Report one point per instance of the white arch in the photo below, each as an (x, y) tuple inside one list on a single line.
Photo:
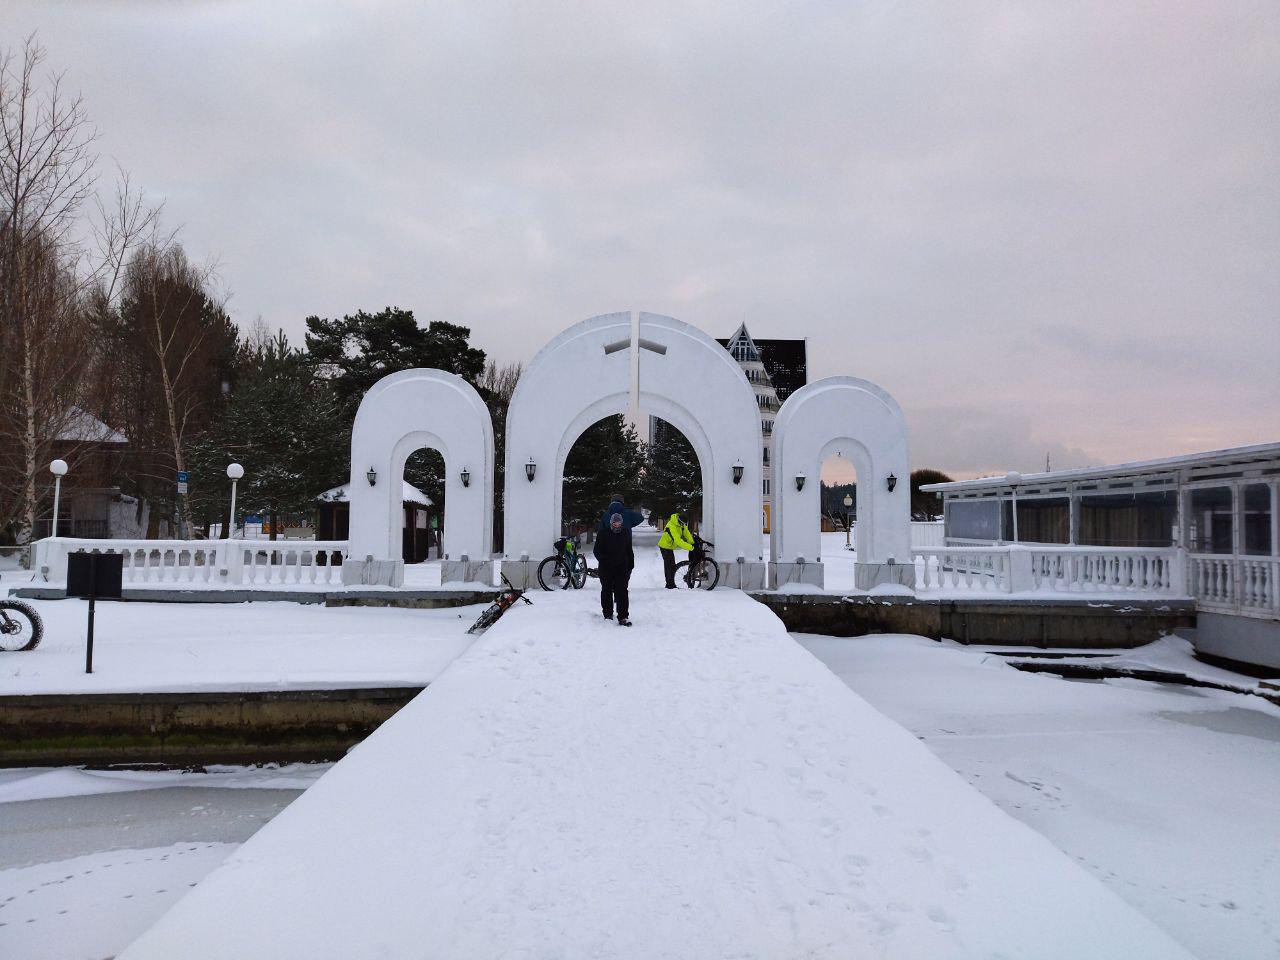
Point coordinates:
[(404, 412), (684, 377), (861, 422)]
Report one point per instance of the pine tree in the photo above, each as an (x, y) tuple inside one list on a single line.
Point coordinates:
[(608, 458), (672, 477), (285, 426)]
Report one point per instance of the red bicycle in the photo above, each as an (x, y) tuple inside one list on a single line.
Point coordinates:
[(506, 600)]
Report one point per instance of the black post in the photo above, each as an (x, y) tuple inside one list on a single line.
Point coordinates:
[(88, 656)]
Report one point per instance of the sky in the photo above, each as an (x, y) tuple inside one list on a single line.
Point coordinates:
[(1049, 230)]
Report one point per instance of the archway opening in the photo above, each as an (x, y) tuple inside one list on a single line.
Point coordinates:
[(422, 508), (656, 475), (838, 521)]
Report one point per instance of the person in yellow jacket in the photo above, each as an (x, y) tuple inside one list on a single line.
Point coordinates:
[(675, 537)]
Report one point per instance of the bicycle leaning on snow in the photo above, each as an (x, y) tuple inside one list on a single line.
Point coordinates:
[(506, 600), (20, 626)]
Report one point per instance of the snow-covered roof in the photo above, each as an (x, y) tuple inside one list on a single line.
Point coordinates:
[(1228, 457), (409, 494), (83, 427)]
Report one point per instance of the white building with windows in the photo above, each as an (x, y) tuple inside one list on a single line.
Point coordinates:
[(743, 349), (775, 369), (1221, 507)]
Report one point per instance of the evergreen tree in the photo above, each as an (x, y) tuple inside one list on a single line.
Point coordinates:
[(608, 458), (673, 477), (357, 351), (926, 506), (285, 426)]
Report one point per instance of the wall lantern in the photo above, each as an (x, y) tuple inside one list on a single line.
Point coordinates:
[(892, 481), (372, 477), (799, 482), (530, 469), (466, 477), (737, 472)]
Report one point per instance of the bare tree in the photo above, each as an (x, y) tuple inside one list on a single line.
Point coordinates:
[(46, 173), (175, 345)]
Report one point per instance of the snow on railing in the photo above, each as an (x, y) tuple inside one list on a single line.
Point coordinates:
[(204, 562), (1054, 569)]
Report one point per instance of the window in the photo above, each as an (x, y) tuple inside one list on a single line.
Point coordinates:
[(1257, 519), (766, 486), (1146, 519), (766, 456), (973, 519), (1040, 520), (1210, 524)]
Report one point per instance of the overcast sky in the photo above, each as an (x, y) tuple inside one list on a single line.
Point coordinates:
[(1045, 228)]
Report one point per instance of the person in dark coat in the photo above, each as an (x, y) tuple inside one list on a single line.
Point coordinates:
[(630, 518), (614, 561)]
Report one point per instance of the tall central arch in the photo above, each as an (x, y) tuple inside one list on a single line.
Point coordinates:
[(599, 367)]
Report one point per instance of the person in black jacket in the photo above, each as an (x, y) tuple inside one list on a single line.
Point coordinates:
[(615, 560)]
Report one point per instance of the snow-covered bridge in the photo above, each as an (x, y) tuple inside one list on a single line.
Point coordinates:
[(696, 786)]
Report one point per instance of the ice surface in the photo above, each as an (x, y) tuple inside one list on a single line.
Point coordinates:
[(1167, 794), (696, 786)]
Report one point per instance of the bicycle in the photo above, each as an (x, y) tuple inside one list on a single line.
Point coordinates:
[(701, 572), (506, 600), (20, 626), (566, 568)]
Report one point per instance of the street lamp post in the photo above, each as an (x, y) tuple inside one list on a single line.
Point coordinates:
[(848, 521), (59, 470), (234, 473), (1013, 478)]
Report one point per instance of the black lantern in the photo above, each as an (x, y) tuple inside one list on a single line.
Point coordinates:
[(530, 469), (892, 481), (466, 477), (737, 472), (372, 477), (799, 482)]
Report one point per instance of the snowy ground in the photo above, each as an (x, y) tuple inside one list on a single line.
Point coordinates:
[(1164, 794), (1167, 794), (580, 789), (148, 647), (90, 859)]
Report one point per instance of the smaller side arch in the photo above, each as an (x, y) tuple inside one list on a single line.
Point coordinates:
[(404, 412), (861, 422)]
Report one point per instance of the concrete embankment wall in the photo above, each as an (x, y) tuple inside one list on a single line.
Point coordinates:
[(192, 727), (1031, 623)]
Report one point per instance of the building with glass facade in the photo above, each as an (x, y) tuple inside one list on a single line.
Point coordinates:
[(1221, 506)]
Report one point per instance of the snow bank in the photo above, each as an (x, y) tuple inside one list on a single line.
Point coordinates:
[(47, 783), (697, 786)]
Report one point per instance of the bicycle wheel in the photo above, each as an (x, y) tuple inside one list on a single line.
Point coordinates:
[(553, 574), (487, 619), (704, 575), (20, 626), (580, 571)]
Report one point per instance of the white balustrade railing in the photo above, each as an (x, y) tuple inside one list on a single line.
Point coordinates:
[(962, 568), (1055, 569), (1236, 584), (1106, 569), (204, 562), (293, 561)]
